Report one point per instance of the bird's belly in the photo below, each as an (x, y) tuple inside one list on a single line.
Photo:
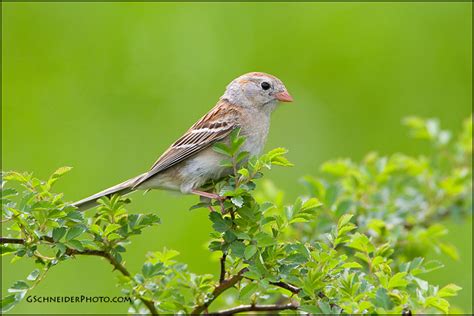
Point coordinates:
[(188, 175), (202, 167)]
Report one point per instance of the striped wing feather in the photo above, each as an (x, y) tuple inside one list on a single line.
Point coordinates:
[(211, 128)]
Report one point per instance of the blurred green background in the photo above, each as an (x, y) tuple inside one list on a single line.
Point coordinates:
[(106, 87)]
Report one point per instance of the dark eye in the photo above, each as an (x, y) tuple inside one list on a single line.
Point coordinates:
[(265, 85)]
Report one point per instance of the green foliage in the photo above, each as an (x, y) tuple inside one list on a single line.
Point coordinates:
[(52, 231), (354, 244)]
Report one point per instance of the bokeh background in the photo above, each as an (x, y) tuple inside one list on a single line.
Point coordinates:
[(106, 87)]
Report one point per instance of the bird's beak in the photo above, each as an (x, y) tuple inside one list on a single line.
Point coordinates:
[(284, 97)]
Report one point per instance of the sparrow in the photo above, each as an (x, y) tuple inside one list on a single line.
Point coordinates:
[(189, 162)]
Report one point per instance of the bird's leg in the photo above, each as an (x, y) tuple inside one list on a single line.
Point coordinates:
[(214, 196), (208, 195)]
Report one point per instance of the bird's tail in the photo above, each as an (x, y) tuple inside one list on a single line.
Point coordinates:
[(121, 188)]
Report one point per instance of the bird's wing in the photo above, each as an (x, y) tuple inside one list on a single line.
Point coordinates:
[(211, 128)]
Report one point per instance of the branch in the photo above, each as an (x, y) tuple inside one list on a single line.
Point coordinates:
[(255, 308), (222, 276), (89, 252), (293, 289), (223, 286), (6, 240)]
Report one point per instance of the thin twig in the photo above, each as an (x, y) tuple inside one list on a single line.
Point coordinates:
[(226, 284), (255, 308)]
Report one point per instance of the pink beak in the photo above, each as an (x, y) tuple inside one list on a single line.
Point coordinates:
[(284, 97)]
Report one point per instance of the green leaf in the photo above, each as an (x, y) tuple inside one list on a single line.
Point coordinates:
[(19, 286), (110, 228), (311, 204), (449, 290), (449, 250), (296, 258), (398, 281), (220, 224), (96, 229), (351, 265), (247, 291), (250, 251), (113, 236), (237, 201), (57, 174), (240, 157), (439, 303), (75, 231), (222, 148), (361, 242), (383, 300), (75, 244), (149, 269), (33, 275), (58, 233), (8, 302), (344, 220), (5, 250), (238, 248), (264, 239)]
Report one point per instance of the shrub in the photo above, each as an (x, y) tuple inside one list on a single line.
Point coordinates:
[(354, 243)]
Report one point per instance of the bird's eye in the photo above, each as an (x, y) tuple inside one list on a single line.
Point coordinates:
[(265, 85)]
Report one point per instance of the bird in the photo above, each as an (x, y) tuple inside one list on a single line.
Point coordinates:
[(247, 104)]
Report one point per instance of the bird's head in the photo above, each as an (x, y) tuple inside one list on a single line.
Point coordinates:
[(257, 89)]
